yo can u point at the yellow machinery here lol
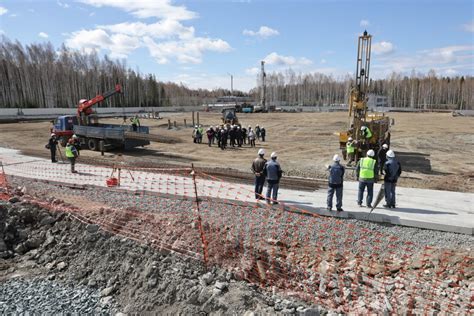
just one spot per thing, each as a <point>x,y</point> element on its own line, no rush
<point>379,124</point>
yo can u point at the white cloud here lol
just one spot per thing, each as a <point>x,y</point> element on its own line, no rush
<point>323,61</point>
<point>3,10</point>
<point>43,35</point>
<point>280,60</point>
<point>162,9</point>
<point>252,71</point>
<point>166,39</point>
<point>263,32</point>
<point>364,23</point>
<point>383,48</point>
<point>62,5</point>
<point>13,15</point>
<point>446,59</point>
<point>469,27</point>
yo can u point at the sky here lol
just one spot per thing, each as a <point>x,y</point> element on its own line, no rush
<point>201,43</point>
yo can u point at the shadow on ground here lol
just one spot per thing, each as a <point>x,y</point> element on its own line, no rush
<point>417,162</point>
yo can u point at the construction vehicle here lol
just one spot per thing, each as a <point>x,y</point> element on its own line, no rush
<point>229,117</point>
<point>95,136</point>
<point>379,124</point>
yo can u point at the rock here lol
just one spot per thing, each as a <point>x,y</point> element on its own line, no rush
<point>14,200</point>
<point>287,311</point>
<point>152,282</point>
<point>216,292</point>
<point>20,249</point>
<point>33,243</point>
<point>3,245</point>
<point>221,285</point>
<point>106,300</point>
<point>310,312</point>
<point>61,266</point>
<point>48,220</point>
<point>324,267</point>
<point>107,291</point>
<point>207,278</point>
<point>92,228</point>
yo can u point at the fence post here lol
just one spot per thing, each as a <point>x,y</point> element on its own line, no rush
<point>169,124</point>
<point>193,120</point>
<point>185,125</point>
<point>197,116</point>
<point>198,212</point>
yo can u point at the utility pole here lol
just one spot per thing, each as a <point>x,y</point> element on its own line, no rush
<point>262,96</point>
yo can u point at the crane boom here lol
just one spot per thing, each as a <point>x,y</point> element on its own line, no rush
<point>85,108</point>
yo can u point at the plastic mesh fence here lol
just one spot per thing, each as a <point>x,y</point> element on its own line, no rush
<point>343,265</point>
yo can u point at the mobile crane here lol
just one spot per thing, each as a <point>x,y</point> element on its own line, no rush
<point>94,135</point>
<point>379,124</point>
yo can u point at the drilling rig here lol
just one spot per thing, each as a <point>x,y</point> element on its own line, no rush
<point>379,124</point>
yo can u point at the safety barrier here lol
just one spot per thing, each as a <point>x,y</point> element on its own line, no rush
<point>340,264</point>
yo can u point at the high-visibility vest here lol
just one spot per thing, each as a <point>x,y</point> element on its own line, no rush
<point>135,121</point>
<point>367,166</point>
<point>368,133</point>
<point>69,153</point>
<point>350,148</point>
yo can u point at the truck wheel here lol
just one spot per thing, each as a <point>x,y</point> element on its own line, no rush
<point>93,144</point>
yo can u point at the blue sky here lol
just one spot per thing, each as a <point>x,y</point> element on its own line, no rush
<point>201,42</point>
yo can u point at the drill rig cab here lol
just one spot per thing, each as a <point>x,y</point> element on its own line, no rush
<point>378,124</point>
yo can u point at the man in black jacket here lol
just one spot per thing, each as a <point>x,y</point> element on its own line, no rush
<point>52,143</point>
<point>258,167</point>
<point>393,170</point>
<point>335,182</point>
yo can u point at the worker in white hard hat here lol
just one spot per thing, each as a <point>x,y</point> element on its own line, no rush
<point>273,173</point>
<point>393,170</point>
<point>335,182</point>
<point>366,132</point>
<point>77,143</point>
<point>382,156</point>
<point>350,150</point>
<point>367,171</point>
<point>257,168</point>
<point>51,145</point>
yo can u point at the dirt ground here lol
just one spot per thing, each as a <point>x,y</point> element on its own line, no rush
<point>435,149</point>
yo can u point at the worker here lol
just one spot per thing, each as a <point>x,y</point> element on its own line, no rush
<point>244,135</point>
<point>77,144</point>
<point>71,154</point>
<point>366,132</point>
<point>335,182</point>
<point>393,170</point>
<point>350,149</point>
<point>238,136</point>
<point>200,134</point>
<point>263,132</point>
<point>224,135</point>
<point>257,132</point>
<point>258,167</point>
<point>195,134</point>
<point>135,123</point>
<point>210,136</point>
<point>251,137</point>
<point>382,157</point>
<point>273,173</point>
<point>232,134</point>
<point>52,143</point>
<point>366,173</point>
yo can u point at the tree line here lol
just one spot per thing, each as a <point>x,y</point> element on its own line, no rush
<point>416,91</point>
<point>39,76</point>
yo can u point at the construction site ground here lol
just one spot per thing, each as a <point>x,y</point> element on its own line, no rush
<point>435,149</point>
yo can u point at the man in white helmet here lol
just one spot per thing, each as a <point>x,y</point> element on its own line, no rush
<point>258,167</point>
<point>366,132</point>
<point>350,150</point>
<point>273,173</point>
<point>382,156</point>
<point>393,170</point>
<point>335,182</point>
<point>366,172</point>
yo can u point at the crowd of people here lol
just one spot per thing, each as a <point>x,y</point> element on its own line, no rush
<point>229,135</point>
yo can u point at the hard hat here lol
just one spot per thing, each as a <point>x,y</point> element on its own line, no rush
<point>336,158</point>
<point>82,101</point>
<point>385,146</point>
<point>390,154</point>
<point>349,139</point>
<point>251,126</point>
<point>74,136</point>
<point>370,153</point>
<point>363,128</point>
<point>273,155</point>
<point>53,134</point>
<point>261,151</point>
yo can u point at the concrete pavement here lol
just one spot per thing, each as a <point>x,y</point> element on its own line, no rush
<point>429,209</point>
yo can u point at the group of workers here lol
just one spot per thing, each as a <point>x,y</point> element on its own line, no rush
<point>367,173</point>
<point>72,150</point>
<point>229,135</point>
<point>267,170</point>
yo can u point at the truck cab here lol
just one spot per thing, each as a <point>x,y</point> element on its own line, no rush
<point>63,127</point>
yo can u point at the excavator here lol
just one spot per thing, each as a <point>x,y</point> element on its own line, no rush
<point>379,124</point>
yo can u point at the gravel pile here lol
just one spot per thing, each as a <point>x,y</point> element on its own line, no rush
<point>40,296</point>
<point>345,265</point>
